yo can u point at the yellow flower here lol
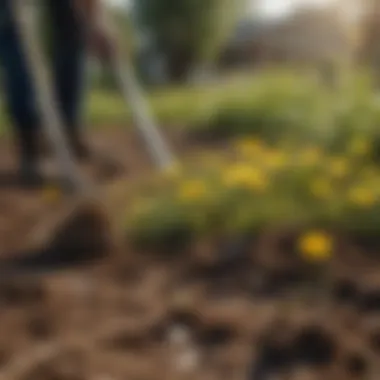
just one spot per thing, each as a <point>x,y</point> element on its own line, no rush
<point>192,190</point>
<point>338,167</point>
<point>362,196</point>
<point>245,176</point>
<point>52,194</point>
<point>359,146</point>
<point>321,188</point>
<point>316,246</point>
<point>249,146</point>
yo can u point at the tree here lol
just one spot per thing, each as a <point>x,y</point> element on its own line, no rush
<point>187,32</point>
<point>369,49</point>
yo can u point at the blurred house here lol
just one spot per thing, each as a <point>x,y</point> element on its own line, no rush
<point>369,49</point>
<point>309,35</point>
<point>244,48</point>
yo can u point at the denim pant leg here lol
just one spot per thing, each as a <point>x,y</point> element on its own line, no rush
<point>69,58</point>
<point>18,83</point>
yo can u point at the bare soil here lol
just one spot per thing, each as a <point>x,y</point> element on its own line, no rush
<point>205,314</point>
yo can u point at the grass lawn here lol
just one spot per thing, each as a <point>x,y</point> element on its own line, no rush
<point>171,106</point>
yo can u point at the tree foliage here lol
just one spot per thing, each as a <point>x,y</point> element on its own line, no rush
<point>187,32</point>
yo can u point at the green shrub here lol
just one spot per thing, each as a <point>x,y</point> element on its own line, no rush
<point>281,105</point>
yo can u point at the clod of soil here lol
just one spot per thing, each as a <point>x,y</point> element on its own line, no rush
<point>356,365</point>
<point>274,353</point>
<point>157,332</point>
<point>184,318</point>
<point>125,340</point>
<point>369,301</point>
<point>367,242</point>
<point>276,282</point>
<point>345,291</point>
<point>216,336</point>
<point>374,341</point>
<point>314,346</point>
<point>273,358</point>
<point>126,275</point>
<point>40,327</point>
<point>86,234</point>
<point>17,294</point>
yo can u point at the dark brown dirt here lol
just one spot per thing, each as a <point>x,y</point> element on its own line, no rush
<point>120,159</point>
<point>139,317</point>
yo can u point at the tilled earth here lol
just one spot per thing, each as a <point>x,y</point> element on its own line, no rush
<point>119,159</point>
<point>139,317</point>
<point>203,315</point>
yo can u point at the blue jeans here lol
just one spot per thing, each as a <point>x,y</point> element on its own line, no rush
<point>68,60</point>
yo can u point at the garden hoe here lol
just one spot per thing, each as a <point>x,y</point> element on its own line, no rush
<point>143,120</point>
<point>85,231</point>
<point>133,97</point>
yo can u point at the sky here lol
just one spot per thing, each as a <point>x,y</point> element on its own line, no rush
<point>271,8</point>
<point>274,8</point>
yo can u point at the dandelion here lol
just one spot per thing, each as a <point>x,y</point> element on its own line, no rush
<point>315,246</point>
<point>245,176</point>
<point>192,190</point>
<point>362,196</point>
<point>321,188</point>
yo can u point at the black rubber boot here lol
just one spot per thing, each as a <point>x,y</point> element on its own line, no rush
<point>30,175</point>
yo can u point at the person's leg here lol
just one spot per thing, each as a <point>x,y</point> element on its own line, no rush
<point>19,93</point>
<point>69,59</point>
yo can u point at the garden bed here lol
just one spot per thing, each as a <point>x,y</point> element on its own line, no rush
<point>302,297</point>
<point>146,317</point>
<point>257,252</point>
